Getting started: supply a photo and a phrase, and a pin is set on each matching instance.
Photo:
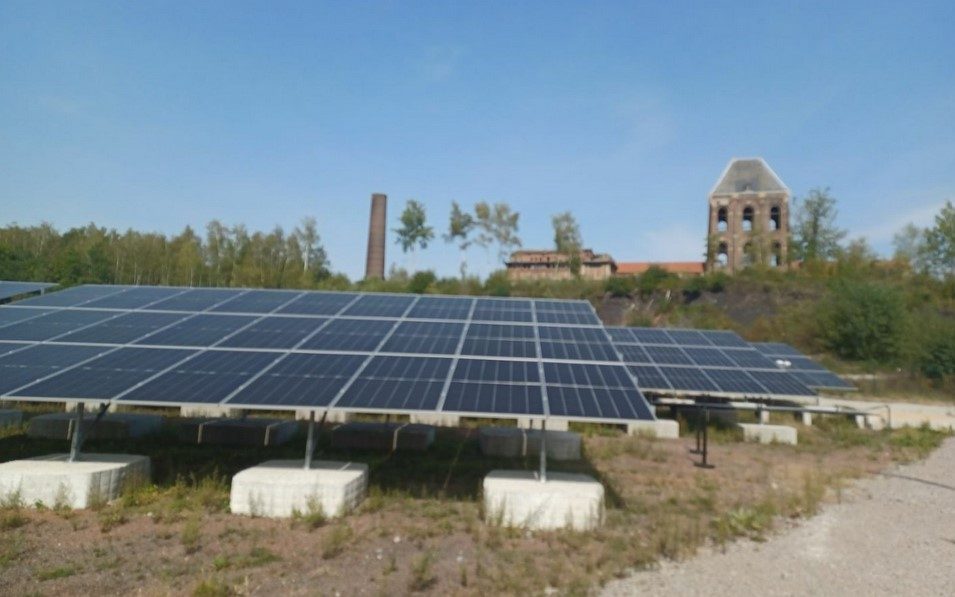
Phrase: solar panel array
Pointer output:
(707, 362)
(277, 349)
(11, 289)
(802, 367)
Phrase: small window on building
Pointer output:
(722, 255)
(776, 259)
(722, 220)
(774, 218)
(747, 219)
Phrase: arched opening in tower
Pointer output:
(722, 255)
(747, 219)
(776, 259)
(722, 220)
(774, 218)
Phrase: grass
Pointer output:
(658, 506)
(45, 574)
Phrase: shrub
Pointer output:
(863, 321)
(421, 281)
(498, 284)
(653, 279)
(620, 286)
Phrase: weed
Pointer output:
(191, 533)
(422, 577)
(54, 573)
(110, 518)
(11, 548)
(212, 588)
(314, 515)
(334, 544)
(257, 556)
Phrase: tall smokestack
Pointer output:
(375, 263)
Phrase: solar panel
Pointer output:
(801, 367)
(725, 338)
(781, 382)
(105, 376)
(12, 289)
(668, 355)
(822, 380)
(688, 338)
(737, 382)
(709, 357)
(72, 297)
(31, 364)
(649, 378)
(293, 350)
(53, 324)
(688, 379)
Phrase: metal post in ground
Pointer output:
(706, 440)
(77, 433)
(310, 442)
(543, 474)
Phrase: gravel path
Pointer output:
(891, 535)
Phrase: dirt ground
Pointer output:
(421, 528)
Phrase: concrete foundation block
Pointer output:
(111, 426)
(767, 434)
(383, 436)
(252, 431)
(212, 411)
(53, 481)
(278, 488)
(511, 442)
(806, 419)
(9, 417)
(661, 428)
(438, 420)
(564, 501)
(552, 424)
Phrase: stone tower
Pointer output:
(749, 217)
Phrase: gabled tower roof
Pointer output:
(748, 175)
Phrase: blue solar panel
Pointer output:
(106, 376)
(725, 338)
(12, 289)
(688, 379)
(9, 315)
(31, 364)
(633, 353)
(578, 351)
(503, 310)
(804, 364)
(573, 374)
(649, 378)
(567, 318)
(8, 347)
(668, 355)
(319, 303)
(494, 398)
(425, 337)
(198, 299)
(124, 329)
(274, 332)
(651, 336)
(53, 324)
(377, 305)
(72, 297)
(688, 338)
(749, 358)
(780, 382)
(709, 357)
(480, 370)
(735, 381)
(300, 380)
(441, 308)
(822, 380)
(597, 403)
(134, 298)
(500, 347)
(622, 335)
(398, 383)
(207, 378)
(776, 349)
(198, 331)
(359, 335)
(257, 301)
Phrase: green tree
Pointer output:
(909, 245)
(815, 235)
(460, 226)
(567, 239)
(497, 225)
(863, 321)
(940, 243)
(414, 232)
(314, 259)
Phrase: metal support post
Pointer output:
(80, 430)
(706, 440)
(312, 436)
(543, 474)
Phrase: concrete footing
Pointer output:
(211, 411)
(250, 431)
(552, 424)
(383, 436)
(768, 434)
(511, 442)
(438, 420)
(565, 500)
(9, 417)
(54, 482)
(111, 426)
(279, 488)
(661, 428)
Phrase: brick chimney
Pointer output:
(375, 263)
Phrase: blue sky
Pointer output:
(162, 114)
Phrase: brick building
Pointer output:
(749, 217)
(531, 264)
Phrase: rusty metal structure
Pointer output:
(375, 261)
